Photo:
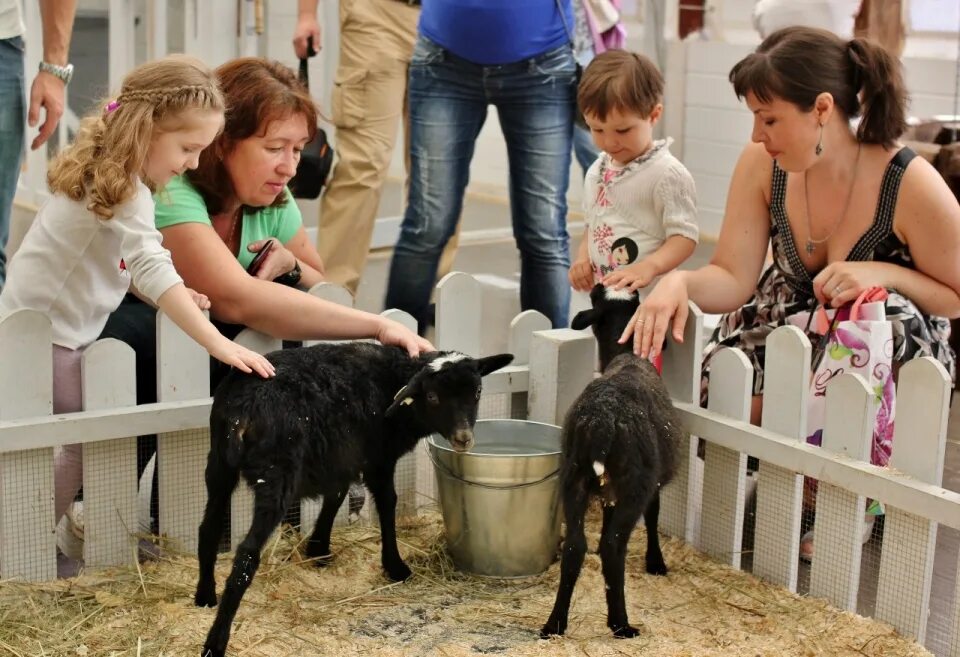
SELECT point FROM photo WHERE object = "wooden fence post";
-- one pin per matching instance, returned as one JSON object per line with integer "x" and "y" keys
{"x": 848, "y": 430}
{"x": 522, "y": 329}
{"x": 183, "y": 373}
{"x": 459, "y": 303}
{"x": 786, "y": 392}
{"x": 562, "y": 363}
{"x": 310, "y": 509}
{"x": 28, "y": 542}
{"x": 909, "y": 541}
{"x": 724, "y": 470}
{"x": 241, "y": 502}
{"x": 109, "y": 466}
{"x": 680, "y": 501}
{"x": 414, "y": 474}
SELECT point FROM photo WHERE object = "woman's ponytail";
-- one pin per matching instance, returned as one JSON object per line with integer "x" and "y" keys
{"x": 877, "y": 78}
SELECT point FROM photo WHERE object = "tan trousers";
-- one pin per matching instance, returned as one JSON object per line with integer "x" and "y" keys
{"x": 368, "y": 100}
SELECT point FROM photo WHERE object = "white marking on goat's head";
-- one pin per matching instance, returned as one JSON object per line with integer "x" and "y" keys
{"x": 618, "y": 295}
{"x": 453, "y": 357}
{"x": 599, "y": 468}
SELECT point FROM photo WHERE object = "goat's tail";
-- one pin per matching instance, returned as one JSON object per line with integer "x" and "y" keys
{"x": 599, "y": 432}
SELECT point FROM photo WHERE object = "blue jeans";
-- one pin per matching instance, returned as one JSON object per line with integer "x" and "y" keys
{"x": 584, "y": 149}
{"x": 12, "y": 127}
{"x": 448, "y": 99}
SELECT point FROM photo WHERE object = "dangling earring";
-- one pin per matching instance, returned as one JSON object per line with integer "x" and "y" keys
{"x": 819, "y": 149}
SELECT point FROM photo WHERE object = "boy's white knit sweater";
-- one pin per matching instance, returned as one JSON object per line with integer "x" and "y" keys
{"x": 75, "y": 267}
{"x": 649, "y": 200}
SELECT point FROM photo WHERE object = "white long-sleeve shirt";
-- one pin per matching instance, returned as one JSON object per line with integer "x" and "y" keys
{"x": 75, "y": 267}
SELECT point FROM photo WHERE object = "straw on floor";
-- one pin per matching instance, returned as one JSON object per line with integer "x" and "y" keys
{"x": 348, "y": 608}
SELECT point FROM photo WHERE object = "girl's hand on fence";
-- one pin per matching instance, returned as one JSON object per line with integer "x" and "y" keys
{"x": 231, "y": 353}
{"x": 394, "y": 333}
{"x": 581, "y": 275}
{"x": 840, "y": 283}
{"x": 648, "y": 326}
{"x": 203, "y": 303}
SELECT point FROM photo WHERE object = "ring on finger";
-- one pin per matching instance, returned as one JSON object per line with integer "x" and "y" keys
{"x": 836, "y": 290}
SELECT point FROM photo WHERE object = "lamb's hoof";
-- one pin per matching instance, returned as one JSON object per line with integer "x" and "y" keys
{"x": 399, "y": 572}
{"x": 626, "y": 632}
{"x": 552, "y": 628}
{"x": 656, "y": 567}
{"x": 320, "y": 557}
{"x": 205, "y": 597}
{"x": 209, "y": 651}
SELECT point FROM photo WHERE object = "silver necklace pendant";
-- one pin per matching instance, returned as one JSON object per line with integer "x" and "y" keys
{"x": 810, "y": 247}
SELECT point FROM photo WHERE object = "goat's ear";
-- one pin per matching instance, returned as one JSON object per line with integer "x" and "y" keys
{"x": 583, "y": 319}
{"x": 404, "y": 396}
{"x": 493, "y": 363}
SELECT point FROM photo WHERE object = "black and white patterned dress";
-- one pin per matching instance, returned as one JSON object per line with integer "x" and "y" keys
{"x": 787, "y": 288}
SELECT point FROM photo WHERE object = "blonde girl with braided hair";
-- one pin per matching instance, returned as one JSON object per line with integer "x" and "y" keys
{"x": 95, "y": 237}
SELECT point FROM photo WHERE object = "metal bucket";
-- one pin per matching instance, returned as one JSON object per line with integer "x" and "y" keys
{"x": 501, "y": 500}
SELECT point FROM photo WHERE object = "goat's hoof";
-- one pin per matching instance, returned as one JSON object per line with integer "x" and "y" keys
{"x": 205, "y": 598}
{"x": 625, "y": 632}
{"x": 320, "y": 556}
{"x": 552, "y": 629}
{"x": 399, "y": 572}
{"x": 209, "y": 651}
{"x": 656, "y": 568}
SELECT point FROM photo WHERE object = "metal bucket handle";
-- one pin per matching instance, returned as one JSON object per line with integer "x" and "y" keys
{"x": 447, "y": 471}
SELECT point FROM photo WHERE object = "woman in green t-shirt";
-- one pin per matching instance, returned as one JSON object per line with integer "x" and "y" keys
{"x": 216, "y": 218}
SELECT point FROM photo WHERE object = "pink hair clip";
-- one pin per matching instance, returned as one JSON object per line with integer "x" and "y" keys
{"x": 112, "y": 105}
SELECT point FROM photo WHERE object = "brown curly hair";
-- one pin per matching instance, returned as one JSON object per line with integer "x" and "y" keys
{"x": 103, "y": 162}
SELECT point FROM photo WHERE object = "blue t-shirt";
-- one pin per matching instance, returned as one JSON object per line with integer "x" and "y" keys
{"x": 490, "y": 32}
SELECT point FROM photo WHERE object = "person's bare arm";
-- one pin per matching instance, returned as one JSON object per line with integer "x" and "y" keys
{"x": 731, "y": 277}
{"x": 47, "y": 90}
{"x": 307, "y": 26}
{"x": 207, "y": 266}
{"x": 305, "y": 252}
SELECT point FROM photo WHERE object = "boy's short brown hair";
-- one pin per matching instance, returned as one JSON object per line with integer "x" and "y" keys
{"x": 620, "y": 80}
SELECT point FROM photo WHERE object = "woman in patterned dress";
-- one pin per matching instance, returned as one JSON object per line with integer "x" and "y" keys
{"x": 843, "y": 209}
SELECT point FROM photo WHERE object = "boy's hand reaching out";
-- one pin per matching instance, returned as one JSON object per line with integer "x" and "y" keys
{"x": 581, "y": 275}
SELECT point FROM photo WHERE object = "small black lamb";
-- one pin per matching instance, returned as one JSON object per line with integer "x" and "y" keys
{"x": 332, "y": 414}
{"x": 620, "y": 440}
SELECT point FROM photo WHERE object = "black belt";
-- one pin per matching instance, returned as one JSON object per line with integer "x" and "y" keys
{"x": 412, "y": 3}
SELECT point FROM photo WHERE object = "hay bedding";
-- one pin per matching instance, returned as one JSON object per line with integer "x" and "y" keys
{"x": 349, "y": 608}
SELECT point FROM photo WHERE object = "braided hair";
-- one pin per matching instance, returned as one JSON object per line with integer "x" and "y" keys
{"x": 104, "y": 161}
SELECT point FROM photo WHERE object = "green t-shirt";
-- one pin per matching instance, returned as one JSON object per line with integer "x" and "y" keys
{"x": 180, "y": 203}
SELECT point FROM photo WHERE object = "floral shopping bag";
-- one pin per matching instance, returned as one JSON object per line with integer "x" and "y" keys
{"x": 856, "y": 338}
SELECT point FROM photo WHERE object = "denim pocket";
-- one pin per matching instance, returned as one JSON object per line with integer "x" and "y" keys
{"x": 348, "y": 98}
{"x": 557, "y": 63}
{"x": 426, "y": 52}
{"x": 13, "y": 43}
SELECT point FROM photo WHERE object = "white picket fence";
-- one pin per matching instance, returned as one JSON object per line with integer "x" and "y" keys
{"x": 705, "y": 504}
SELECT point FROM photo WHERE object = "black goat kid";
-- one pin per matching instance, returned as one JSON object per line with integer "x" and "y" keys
{"x": 620, "y": 439}
{"x": 332, "y": 414}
